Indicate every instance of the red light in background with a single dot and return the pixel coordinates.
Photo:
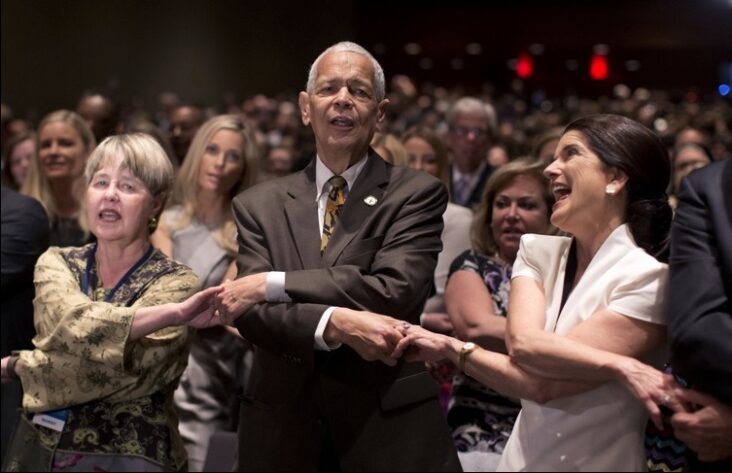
(524, 66)
(598, 67)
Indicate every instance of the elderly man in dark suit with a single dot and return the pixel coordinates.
(318, 250)
(700, 313)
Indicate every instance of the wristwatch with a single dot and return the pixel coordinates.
(466, 350)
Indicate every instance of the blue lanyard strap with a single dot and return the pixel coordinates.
(91, 257)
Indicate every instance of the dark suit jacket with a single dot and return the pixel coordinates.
(700, 296)
(24, 229)
(24, 237)
(477, 193)
(381, 257)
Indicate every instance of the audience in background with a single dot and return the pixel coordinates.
(390, 149)
(472, 127)
(686, 158)
(100, 112)
(184, 121)
(56, 175)
(516, 200)
(198, 230)
(17, 157)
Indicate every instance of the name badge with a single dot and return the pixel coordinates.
(54, 420)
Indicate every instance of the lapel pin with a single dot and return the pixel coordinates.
(370, 200)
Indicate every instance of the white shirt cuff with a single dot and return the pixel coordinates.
(320, 343)
(275, 290)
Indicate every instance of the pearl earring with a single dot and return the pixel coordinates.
(610, 189)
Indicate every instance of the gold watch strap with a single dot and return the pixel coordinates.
(466, 350)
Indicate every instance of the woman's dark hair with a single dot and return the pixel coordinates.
(627, 145)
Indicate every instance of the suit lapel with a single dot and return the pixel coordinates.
(302, 217)
(370, 183)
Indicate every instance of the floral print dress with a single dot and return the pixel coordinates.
(480, 418)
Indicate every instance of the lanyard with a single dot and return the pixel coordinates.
(86, 279)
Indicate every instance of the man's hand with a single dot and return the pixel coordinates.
(371, 335)
(239, 295)
(707, 431)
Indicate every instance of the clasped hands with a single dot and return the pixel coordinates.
(223, 304)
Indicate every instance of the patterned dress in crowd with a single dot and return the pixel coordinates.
(115, 394)
(480, 418)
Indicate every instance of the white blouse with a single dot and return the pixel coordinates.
(602, 429)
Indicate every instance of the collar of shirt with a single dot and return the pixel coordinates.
(322, 174)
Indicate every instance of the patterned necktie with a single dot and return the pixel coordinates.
(336, 199)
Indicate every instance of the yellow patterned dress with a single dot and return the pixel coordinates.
(115, 394)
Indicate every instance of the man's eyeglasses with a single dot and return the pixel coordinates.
(464, 131)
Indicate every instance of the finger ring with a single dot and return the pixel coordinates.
(406, 325)
(666, 398)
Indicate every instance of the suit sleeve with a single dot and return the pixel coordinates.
(399, 279)
(24, 237)
(397, 282)
(283, 329)
(699, 318)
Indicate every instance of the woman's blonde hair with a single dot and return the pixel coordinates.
(142, 155)
(481, 234)
(393, 146)
(36, 183)
(186, 187)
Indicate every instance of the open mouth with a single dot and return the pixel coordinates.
(109, 215)
(561, 192)
(342, 122)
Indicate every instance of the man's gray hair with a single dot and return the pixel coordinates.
(473, 106)
(349, 47)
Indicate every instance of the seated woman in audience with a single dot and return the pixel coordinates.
(111, 342)
(516, 200)
(686, 158)
(17, 157)
(198, 230)
(583, 310)
(56, 174)
(427, 153)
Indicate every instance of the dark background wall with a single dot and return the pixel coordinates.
(204, 50)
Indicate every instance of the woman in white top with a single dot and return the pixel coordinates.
(583, 311)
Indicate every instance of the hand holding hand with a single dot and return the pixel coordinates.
(239, 295)
(423, 345)
(707, 431)
(372, 336)
(198, 311)
(651, 387)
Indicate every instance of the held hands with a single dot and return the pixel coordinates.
(239, 295)
(198, 311)
(373, 336)
(422, 345)
(651, 387)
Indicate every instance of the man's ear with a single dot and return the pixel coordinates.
(381, 110)
(303, 100)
